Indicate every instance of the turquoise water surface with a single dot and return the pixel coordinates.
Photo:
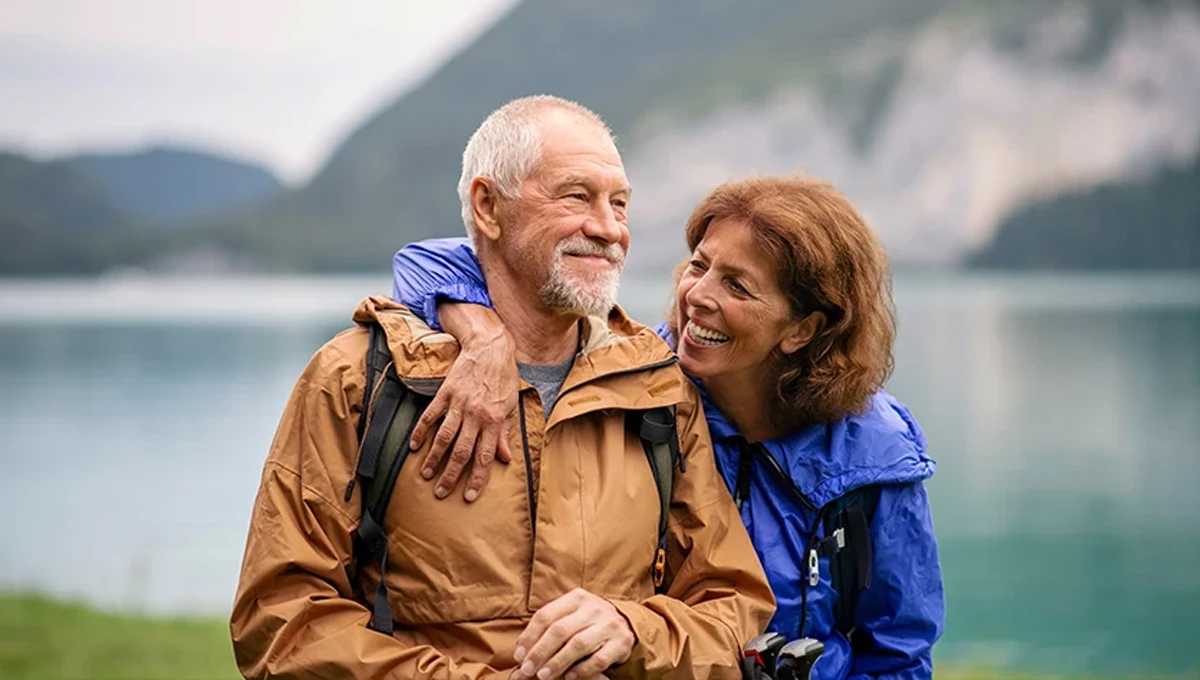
(1064, 413)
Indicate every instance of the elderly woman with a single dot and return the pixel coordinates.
(783, 316)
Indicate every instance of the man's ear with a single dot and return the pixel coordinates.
(802, 332)
(483, 208)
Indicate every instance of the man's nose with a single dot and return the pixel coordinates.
(603, 225)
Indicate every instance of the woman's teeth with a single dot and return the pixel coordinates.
(705, 336)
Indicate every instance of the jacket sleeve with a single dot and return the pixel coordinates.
(427, 271)
(294, 615)
(901, 614)
(718, 598)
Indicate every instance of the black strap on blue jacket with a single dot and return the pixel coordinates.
(847, 543)
(846, 522)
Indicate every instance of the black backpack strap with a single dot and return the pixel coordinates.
(847, 524)
(390, 411)
(660, 441)
(378, 358)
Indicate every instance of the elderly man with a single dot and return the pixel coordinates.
(553, 571)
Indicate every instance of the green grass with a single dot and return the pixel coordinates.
(46, 638)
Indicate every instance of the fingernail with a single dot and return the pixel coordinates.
(441, 492)
(519, 654)
(427, 473)
(471, 495)
(527, 668)
(544, 674)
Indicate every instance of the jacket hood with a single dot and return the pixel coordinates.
(882, 445)
(424, 354)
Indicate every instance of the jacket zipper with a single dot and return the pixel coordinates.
(812, 569)
(529, 461)
(809, 553)
(528, 471)
(778, 470)
(532, 497)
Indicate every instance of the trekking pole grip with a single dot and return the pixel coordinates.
(758, 656)
(797, 658)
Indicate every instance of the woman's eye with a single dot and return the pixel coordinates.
(737, 287)
(696, 265)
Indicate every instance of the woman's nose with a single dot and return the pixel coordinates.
(700, 294)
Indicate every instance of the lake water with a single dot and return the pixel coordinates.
(1064, 413)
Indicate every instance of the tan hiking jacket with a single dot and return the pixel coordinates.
(576, 508)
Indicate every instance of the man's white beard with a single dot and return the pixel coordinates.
(583, 293)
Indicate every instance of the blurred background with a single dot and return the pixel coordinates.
(193, 196)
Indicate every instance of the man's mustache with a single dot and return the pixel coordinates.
(588, 248)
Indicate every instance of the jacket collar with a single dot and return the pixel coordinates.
(882, 445)
(617, 350)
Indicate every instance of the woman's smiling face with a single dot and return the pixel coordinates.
(732, 313)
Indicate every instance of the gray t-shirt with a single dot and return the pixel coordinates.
(547, 379)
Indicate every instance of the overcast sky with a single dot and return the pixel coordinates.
(275, 81)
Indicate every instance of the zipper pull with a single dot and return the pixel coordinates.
(814, 568)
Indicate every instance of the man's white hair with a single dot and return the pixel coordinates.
(507, 146)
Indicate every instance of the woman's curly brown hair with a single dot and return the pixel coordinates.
(826, 260)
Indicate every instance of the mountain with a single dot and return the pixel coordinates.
(939, 118)
(939, 134)
(170, 186)
(51, 217)
(84, 214)
(54, 193)
(393, 179)
(1148, 223)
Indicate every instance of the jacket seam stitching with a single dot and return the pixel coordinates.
(344, 356)
(879, 473)
(307, 487)
(696, 512)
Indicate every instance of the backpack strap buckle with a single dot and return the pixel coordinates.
(660, 566)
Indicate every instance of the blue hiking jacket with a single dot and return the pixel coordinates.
(900, 616)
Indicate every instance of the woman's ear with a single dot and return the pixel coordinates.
(483, 208)
(802, 332)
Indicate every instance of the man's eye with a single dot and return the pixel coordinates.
(619, 203)
(578, 197)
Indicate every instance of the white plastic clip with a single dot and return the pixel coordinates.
(839, 535)
(814, 568)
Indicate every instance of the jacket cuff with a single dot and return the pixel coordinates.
(452, 292)
(645, 627)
